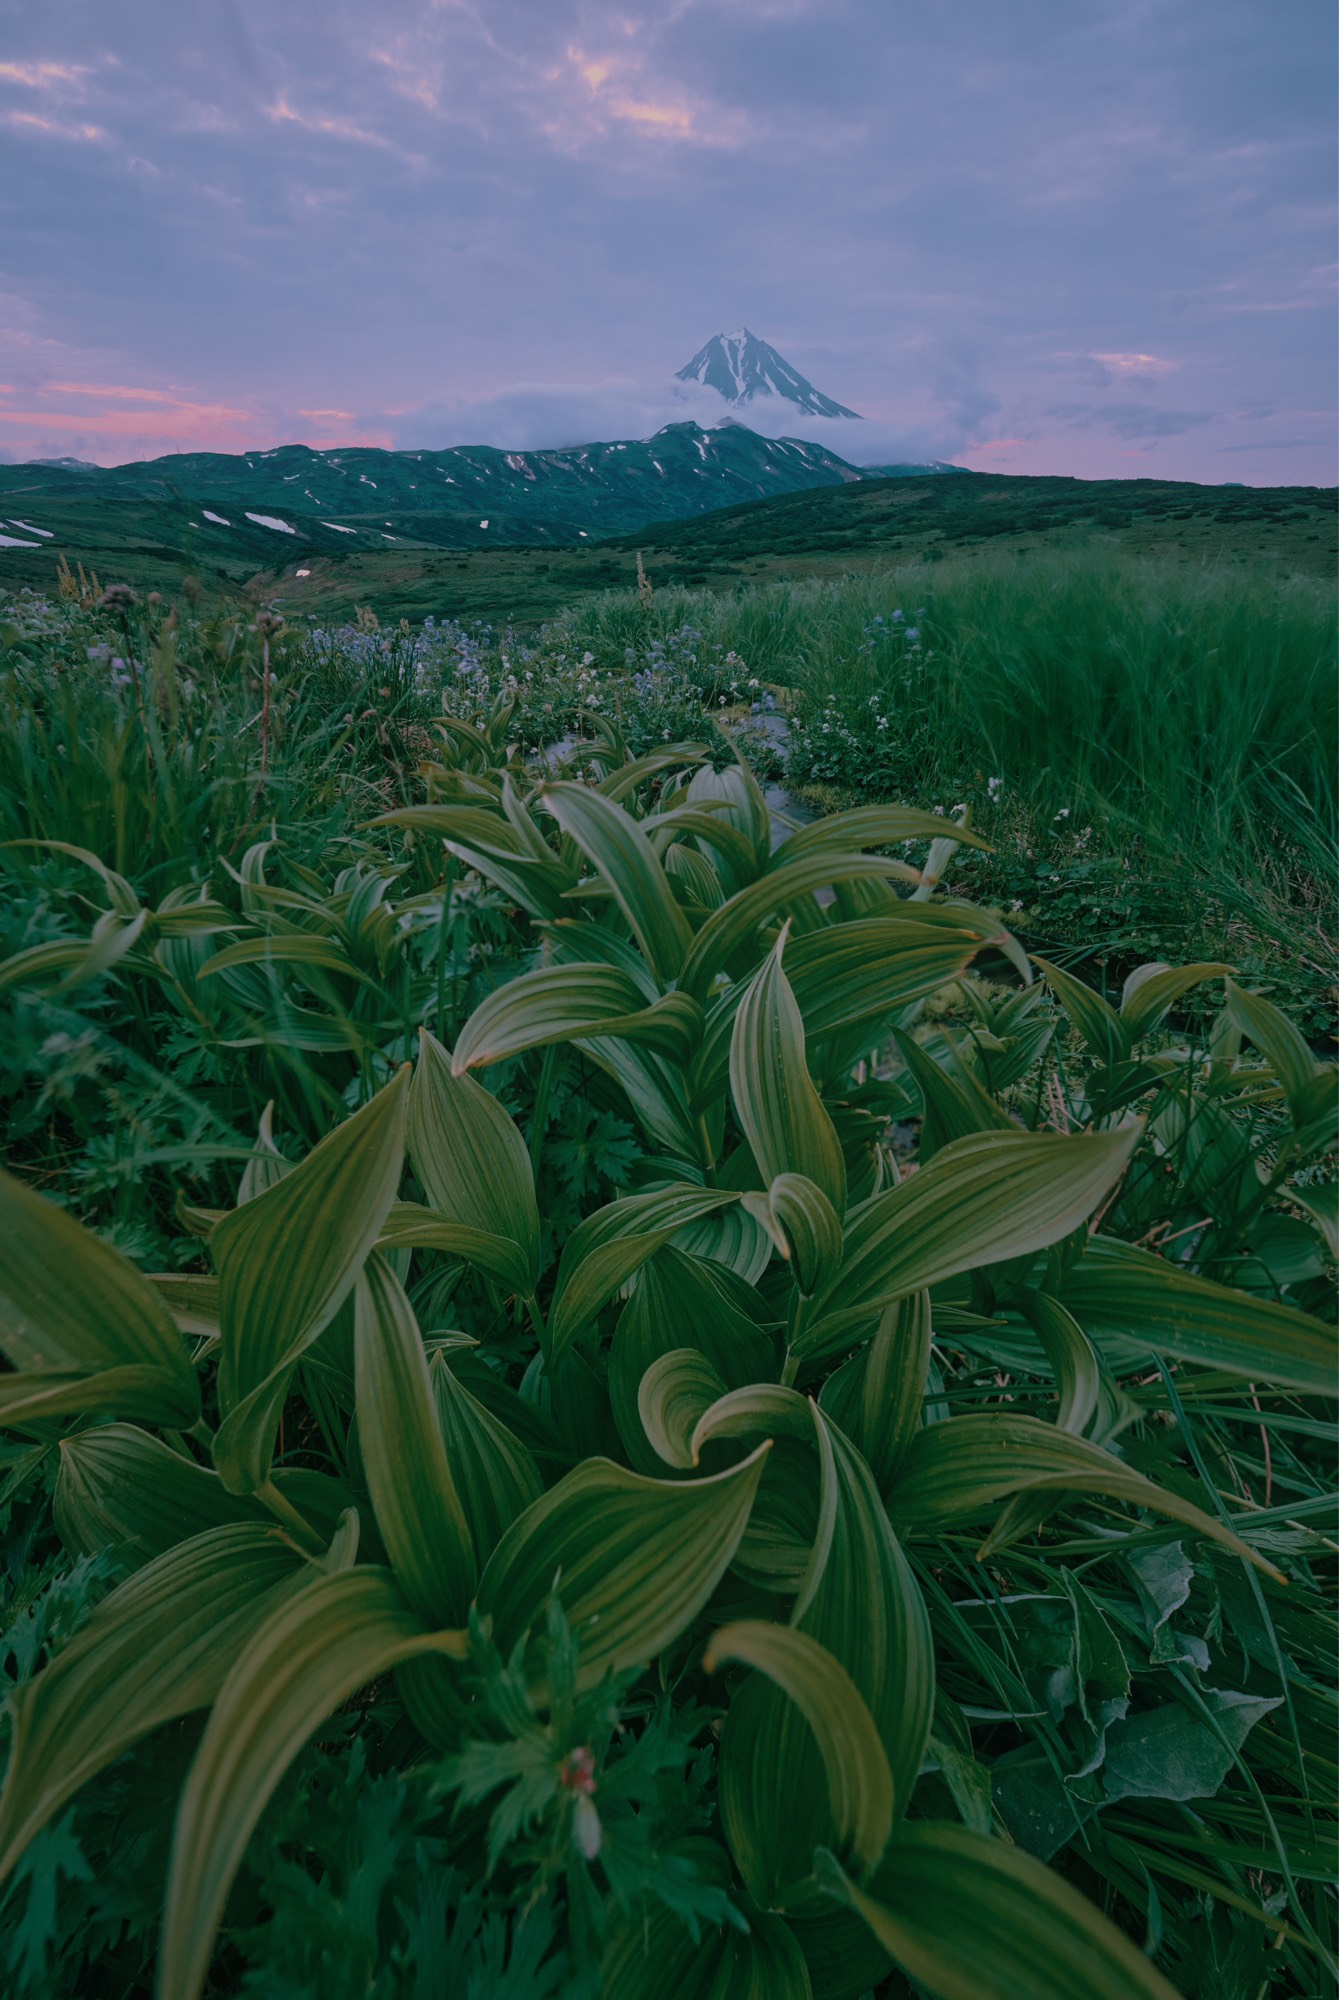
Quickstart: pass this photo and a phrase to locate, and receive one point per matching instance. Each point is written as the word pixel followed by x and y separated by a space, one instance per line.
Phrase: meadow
pixel 667 1286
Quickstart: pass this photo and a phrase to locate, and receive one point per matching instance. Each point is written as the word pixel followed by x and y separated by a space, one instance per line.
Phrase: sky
pixel 1047 236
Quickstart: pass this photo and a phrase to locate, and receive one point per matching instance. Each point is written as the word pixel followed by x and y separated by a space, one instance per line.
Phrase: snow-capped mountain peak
pixel 741 367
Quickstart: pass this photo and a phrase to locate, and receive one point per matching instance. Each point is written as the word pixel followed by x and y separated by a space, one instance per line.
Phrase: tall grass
pixel 1201 706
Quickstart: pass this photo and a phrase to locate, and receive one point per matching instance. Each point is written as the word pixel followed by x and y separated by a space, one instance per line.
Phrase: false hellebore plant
pixel 718 1448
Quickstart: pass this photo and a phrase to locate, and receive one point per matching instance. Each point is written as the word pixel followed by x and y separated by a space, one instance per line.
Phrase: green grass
pixel 1177 724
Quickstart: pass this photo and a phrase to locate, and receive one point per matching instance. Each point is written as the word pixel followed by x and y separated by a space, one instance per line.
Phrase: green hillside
pixel 430 562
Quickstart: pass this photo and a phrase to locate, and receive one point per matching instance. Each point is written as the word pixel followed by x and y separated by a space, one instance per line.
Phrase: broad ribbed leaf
pixel 681 1300
pixel 305 1661
pixel 757 1410
pixel 635 1559
pixel 962 1469
pixel 120 1487
pixel 675 1391
pixel 561 1003
pixel 866 969
pixel 1108 1037
pixel 955 1106
pixel 324 954
pixel 846 974
pixel 804 1226
pixel 627 862
pixel 485 841
pixel 266 1165
pixel 868 826
pixel 877 1396
pixel 858 1599
pixel 981 1200
pixel 70 1306
pixel 860 1784
pixel 1117 1288
pixel 602 1253
pixel 652 1955
pixel 971 1918
pixel 414 1496
pixel 780 1113
pixel 35 1395
pixel 1151 990
pixel 1283 1047
pixel 729 927
pixel 469 1156
pixel 494 1474
pixel 158 1647
pixel 286 1263
pixel 409 1226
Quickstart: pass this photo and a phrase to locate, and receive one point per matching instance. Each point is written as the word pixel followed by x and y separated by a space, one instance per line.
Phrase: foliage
pixel 561 1503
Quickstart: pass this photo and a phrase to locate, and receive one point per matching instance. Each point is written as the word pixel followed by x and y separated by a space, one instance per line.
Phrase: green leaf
pixel 35 1395
pixel 681 1299
pixel 674 1392
pixel 266 1165
pixel 860 1784
pixel 71 1307
pixel 628 863
pixel 414 1496
pixel 780 1113
pixel 955 1106
pixel 843 975
pixel 1168 1752
pixel 635 1559
pixel 286 1263
pixel 409 1226
pixel 561 1003
pixel 494 1473
pixel 485 841
pixel 1117 1288
pixel 1283 1048
pixel 726 929
pixel 965 1467
pixel 981 1200
pixel 970 1918
pixel 877 1396
pixel 325 954
pixel 123 1488
pixel 868 968
pixel 158 1647
pixel 1108 1036
pixel 803 1225
pixel 654 1956
pixel 602 1252
pixel 859 1599
pixel 868 826
pixel 307 1659
pixel 469 1156
pixel 1151 990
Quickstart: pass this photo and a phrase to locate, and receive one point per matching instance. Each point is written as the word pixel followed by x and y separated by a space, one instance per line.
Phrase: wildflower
pixel 117 597
pixel 899 618
pixel 1063 813
pixel 994 788
pixel 913 635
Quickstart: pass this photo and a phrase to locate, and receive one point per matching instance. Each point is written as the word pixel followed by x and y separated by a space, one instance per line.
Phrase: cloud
pixel 1062 239
pixel 1131 419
